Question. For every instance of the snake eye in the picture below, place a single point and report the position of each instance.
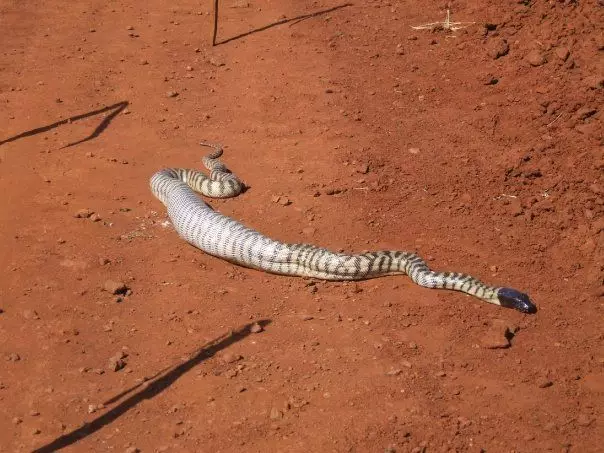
(510, 298)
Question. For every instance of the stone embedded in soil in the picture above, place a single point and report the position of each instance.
(594, 82)
(544, 383)
(562, 53)
(13, 357)
(95, 217)
(515, 207)
(115, 364)
(256, 328)
(115, 287)
(30, 314)
(230, 357)
(132, 450)
(275, 414)
(171, 94)
(498, 335)
(535, 58)
(498, 48)
(83, 213)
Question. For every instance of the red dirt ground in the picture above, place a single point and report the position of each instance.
(420, 150)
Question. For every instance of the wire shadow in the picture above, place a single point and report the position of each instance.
(295, 20)
(117, 109)
(149, 389)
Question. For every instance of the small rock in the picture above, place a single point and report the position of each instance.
(132, 450)
(115, 287)
(309, 231)
(115, 364)
(275, 198)
(413, 150)
(13, 357)
(306, 317)
(584, 420)
(284, 201)
(95, 217)
(595, 82)
(144, 62)
(498, 336)
(36, 431)
(400, 50)
(394, 372)
(515, 207)
(229, 357)
(103, 261)
(598, 225)
(83, 213)
(171, 94)
(363, 169)
(544, 383)
(275, 414)
(535, 58)
(17, 420)
(498, 48)
(333, 191)
(256, 328)
(30, 314)
(562, 53)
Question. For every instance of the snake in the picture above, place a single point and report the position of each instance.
(224, 237)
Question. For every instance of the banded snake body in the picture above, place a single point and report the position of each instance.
(226, 238)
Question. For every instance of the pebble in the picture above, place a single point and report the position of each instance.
(413, 150)
(171, 94)
(584, 420)
(275, 414)
(498, 48)
(103, 261)
(13, 357)
(95, 217)
(115, 287)
(30, 314)
(83, 213)
(594, 82)
(284, 201)
(515, 207)
(562, 53)
(132, 450)
(17, 420)
(256, 328)
(498, 335)
(309, 231)
(544, 383)
(535, 58)
(117, 362)
(229, 357)
(144, 62)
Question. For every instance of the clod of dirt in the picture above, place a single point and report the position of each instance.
(498, 48)
(535, 58)
(544, 383)
(30, 314)
(498, 335)
(83, 213)
(284, 201)
(309, 231)
(594, 82)
(256, 328)
(115, 287)
(562, 53)
(275, 414)
(117, 362)
(230, 357)
(13, 357)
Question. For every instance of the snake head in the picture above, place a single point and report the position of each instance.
(510, 298)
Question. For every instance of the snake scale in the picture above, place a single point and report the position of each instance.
(223, 237)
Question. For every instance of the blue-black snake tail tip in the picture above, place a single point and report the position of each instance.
(511, 298)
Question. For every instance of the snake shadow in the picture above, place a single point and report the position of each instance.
(149, 389)
(115, 109)
(294, 21)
